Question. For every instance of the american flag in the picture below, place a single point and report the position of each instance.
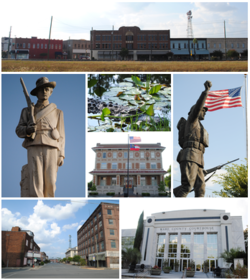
(134, 139)
(221, 99)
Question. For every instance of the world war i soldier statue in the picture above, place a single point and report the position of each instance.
(193, 139)
(42, 127)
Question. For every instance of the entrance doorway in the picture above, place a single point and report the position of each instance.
(212, 265)
(184, 263)
(128, 188)
(159, 262)
(171, 264)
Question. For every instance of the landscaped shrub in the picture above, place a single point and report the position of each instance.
(145, 194)
(110, 193)
(93, 193)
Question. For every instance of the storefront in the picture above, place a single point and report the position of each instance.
(185, 235)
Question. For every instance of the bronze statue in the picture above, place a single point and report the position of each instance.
(193, 139)
(42, 127)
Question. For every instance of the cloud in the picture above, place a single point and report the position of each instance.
(66, 227)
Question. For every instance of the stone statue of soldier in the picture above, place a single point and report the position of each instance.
(193, 139)
(44, 139)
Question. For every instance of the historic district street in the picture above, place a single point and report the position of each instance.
(59, 270)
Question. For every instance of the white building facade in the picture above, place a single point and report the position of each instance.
(186, 235)
(71, 252)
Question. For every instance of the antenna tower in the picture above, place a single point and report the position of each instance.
(189, 25)
(69, 241)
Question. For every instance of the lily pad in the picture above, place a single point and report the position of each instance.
(125, 84)
(133, 91)
(149, 102)
(127, 97)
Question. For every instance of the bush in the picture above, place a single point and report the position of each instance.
(163, 194)
(110, 193)
(93, 188)
(145, 194)
(83, 262)
(42, 263)
(232, 53)
(93, 193)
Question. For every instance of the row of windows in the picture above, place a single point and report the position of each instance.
(142, 165)
(125, 155)
(103, 181)
(94, 238)
(131, 38)
(78, 46)
(92, 249)
(23, 45)
(185, 45)
(232, 45)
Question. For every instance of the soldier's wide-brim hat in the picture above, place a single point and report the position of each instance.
(42, 82)
(193, 107)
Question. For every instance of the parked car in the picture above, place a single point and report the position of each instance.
(84, 57)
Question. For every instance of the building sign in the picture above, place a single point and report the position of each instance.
(112, 254)
(186, 229)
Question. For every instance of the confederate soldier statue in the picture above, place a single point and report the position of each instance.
(42, 128)
(193, 139)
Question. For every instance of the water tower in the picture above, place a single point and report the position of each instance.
(189, 25)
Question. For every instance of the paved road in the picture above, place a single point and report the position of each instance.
(58, 270)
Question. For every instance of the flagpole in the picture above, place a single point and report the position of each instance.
(128, 165)
(246, 113)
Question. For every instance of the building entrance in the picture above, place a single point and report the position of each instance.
(159, 262)
(171, 263)
(184, 263)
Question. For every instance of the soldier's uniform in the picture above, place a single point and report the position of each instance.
(44, 151)
(190, 157)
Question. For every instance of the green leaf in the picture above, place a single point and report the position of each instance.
(105, 112)
(155, 89)
(110, 130)
(143, 108)
(150, 110)
(99, 91)
(137, 80)
(92, 82)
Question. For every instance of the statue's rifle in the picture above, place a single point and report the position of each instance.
(214, 170)
(31, 107)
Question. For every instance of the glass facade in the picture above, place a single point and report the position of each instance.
(161, 240)
(172, 247)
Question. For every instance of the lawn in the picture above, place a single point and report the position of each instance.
(123, 66)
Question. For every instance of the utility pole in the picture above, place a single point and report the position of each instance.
(246, 112)
(225, 39)
(91, 43)
(49, 36)
(9, 49)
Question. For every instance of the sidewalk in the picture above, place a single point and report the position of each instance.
(171, 275)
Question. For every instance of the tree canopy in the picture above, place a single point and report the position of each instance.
(139, 231)
(168, 178)
(234, 182)
(124, 53)
(234, 253)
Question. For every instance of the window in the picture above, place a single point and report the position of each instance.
(34, 46)
(125, 154)
(208, 45)
(160, 245)
(232, 45)
(97, 37)
(142, 165)
(102, 245)
(95, 227)
(172, 247)
(131, 155)
(97, 46)
(109, 211)
(100, 214)
(153, 181)
(212, 245)
(96, 237)
(238, 45)
(152, 154)
(143, 181)
(95, 219)
(179, 46)
(214, 45)
(37, 46)
(97, 246)
(103, 181)
(100, 224)
(93, 239)
(173, 46)
(27, 242)
(24, 45)
(113, 245)
(142, 154)
(103, 165)
(153, 165)
(130, 165)
(185, 245)
(114, 165)
(113, 181)
(101, 234)
(41, 46)
(112, 232)
(114, 154)
(28, 45)
(111, 222)
(104, 155)
(92, 222)
(45, 46)
(129, 38)
(243, 45)
(92, 230)
(219, 46)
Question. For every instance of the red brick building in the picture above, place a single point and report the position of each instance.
(141, 44)
(98, 237)
(19, 248)
(34, 48)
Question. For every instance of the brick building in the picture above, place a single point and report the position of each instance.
(77, 49)
(145, 168)
(98, 237)
(19, 248)
(141, 44)
(34, 48)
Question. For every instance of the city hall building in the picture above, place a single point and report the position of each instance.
(141, 44)
(111, 168)
(186, 235)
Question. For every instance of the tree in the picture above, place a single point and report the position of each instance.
(168, 178)
(123, 53)
(195, 42)
(217, 54)
(162, 187)
(246, 238)
(139, 230)
(245, 53)
(232, 53)
(130, 256)
(90, 185)
(234, 253)
(234, 182)
(76, 258)
(70, 259)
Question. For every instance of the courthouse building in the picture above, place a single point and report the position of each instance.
(111, 168)
(186, 235)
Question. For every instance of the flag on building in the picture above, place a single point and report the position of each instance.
(134, 139)
(221, 99)
(134, 147)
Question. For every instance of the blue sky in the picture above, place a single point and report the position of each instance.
(76, 20)
(69, 96)
(226, 127)
(52, 221)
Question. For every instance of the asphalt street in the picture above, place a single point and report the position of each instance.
(59, 270)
